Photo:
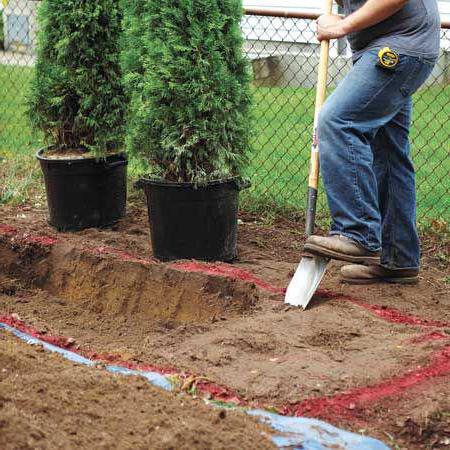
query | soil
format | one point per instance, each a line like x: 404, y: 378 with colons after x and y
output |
x: 52, y: 153
x: 47, y: 402
x: 371, y: 358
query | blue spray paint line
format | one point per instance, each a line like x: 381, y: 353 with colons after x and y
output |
x: 312, y: 434
x: 297, y: 433
x: 154, y: 378
x: 71, y: 356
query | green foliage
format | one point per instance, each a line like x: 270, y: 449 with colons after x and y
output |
x: 77, y: 97
x: 189, y: 87
x: 132, y: 41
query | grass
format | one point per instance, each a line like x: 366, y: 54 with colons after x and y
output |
x: 283, y: 118
x: 19, y: 174
x: 281, y: 143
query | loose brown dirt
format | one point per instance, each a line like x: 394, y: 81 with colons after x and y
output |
x: 102, y: 288
x: 47, y: 403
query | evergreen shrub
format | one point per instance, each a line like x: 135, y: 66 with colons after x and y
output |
x: 189, y: 88
x: 77, y: 97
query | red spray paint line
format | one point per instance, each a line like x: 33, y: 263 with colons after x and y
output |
x: 213, y: 390
x: 393, y: 315
x: 235, y: 273
x: 224, y: 270
x: 7, y: 229
x: 119, y: 254
x: 388, y: 314
x: 46, y: 241
x: 349, y: 404
x: 70, y: 344
x: 220, y: 393
x: 228, y: 271
x: 430, y: 337
x: 49, y: 241
x: 57, y: 341
x: 342, y: 405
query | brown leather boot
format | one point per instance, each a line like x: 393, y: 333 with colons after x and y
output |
x: 358, y: 274
x: 341, y: 248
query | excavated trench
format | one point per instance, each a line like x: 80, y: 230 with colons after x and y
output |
x: 118, y: 286
x: 225, y: 328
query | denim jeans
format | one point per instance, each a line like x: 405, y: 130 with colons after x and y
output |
x: 365, y: 157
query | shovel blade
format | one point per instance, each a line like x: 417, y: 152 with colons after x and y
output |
x: 306, y: 280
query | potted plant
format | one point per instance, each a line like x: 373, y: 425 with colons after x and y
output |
x: 189, y: 119
x: 77, y: 101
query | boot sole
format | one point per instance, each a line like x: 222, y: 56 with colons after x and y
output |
x: 321, y: 251
x: 409, y: 280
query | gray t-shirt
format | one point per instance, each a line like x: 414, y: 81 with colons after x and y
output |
x: 414, y: 30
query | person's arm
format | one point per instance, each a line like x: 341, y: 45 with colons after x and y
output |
x: 371, y: 13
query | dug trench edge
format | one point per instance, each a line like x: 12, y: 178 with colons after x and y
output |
x: 347, y: 405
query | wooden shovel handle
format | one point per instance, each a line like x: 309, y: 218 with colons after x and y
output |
x: 321, y: 90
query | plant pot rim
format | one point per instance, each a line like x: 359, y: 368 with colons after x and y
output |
x: 236, y: 180
x: 40, y: 157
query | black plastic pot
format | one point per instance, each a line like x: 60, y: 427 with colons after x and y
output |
x: 189, y: 222
x: 85, y: 193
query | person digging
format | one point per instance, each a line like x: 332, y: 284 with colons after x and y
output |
x: 363, y: 137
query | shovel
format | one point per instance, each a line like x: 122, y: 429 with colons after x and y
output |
x: 311, y: 270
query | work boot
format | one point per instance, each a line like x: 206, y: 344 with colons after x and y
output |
x: 358, y: 274
x: 341, y: 248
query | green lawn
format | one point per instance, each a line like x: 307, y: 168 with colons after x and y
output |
x: 283, y: 122
x: 281, y: 145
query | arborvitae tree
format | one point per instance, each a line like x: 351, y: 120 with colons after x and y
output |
x: 190, y: 90
x: 77, y: 97
x: 132, y: 39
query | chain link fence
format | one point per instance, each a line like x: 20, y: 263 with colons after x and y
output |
x: 284, y: 57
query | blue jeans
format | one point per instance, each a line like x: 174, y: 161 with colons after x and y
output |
x: 365, y: 157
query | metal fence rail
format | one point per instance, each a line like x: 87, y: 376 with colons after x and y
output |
x: 284, y: 56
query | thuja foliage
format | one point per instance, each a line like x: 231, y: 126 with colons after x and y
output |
x: 133, y: 54
x: 77, y: 97
x: 189, y: 84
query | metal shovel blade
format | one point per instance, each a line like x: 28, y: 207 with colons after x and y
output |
x: 306, y: 280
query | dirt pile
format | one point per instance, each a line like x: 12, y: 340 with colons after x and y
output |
x: 362, y: 357
x: 47, y: 402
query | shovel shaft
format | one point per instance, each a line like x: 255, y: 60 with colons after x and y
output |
x: 311, y: 211
x: 313, y: 182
